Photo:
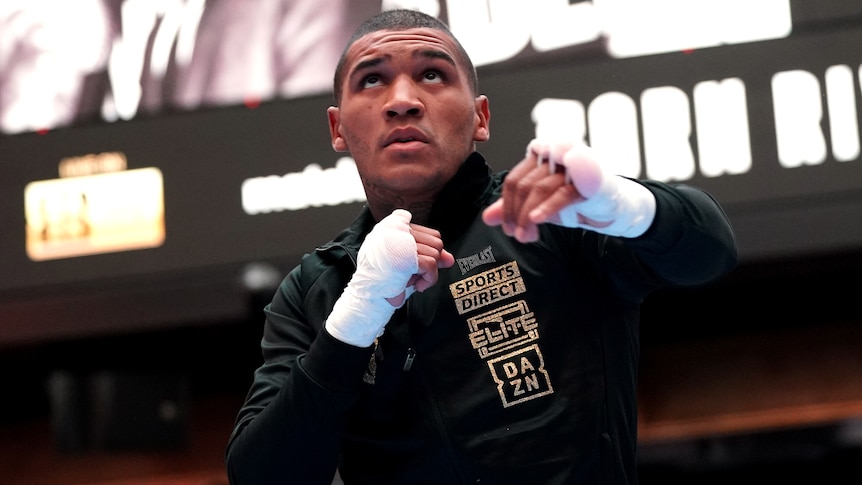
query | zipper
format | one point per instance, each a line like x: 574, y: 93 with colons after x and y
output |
x: 411, y: 354
x: 408, y: 362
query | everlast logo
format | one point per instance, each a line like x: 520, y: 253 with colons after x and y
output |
x: 482, y: 257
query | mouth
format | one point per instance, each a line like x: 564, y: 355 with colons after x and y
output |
x: 405, y: 136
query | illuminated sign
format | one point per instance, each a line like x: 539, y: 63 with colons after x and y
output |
x: 313, y: 187
x: 721, y: 125
x: 494, y: 31
x: 93, y: 214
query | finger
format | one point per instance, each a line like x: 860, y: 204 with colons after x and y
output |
x: 425, y: 230
x: 447, y: 259
x: 397, y: 300
x: 431, y: 254
x: 426, y: 235
x: 493, y: 214
x: 413, y: 280
x: 548, y: 210
x: 543, y: 185
x: 423, y: 234
x: 427, y: 274
x: 516, y: 189
x: 549, y: 153
x: 510, y: 197
x: 430, y: 243
x: 441, y: 257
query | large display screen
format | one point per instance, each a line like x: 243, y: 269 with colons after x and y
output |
x: 206, y: 144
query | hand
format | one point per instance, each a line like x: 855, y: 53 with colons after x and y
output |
x: 395, y: 259
x: 563, y: 183
x: 430, y: 257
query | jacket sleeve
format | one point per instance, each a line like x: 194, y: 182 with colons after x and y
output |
x: 691, y: 241
x: 290, y: 426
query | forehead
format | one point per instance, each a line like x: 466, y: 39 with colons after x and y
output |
x: 384, y: 43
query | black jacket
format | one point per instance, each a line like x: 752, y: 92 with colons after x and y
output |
x: 518, y: 367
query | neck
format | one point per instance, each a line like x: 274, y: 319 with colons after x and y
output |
x: 421, y: 210
x: 383, y: 200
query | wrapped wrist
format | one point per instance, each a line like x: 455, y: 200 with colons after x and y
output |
x: 622, y: 207
x: 358, y: 321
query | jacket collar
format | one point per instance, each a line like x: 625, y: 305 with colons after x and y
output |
x: 462, y: 198
x: 455, y: 208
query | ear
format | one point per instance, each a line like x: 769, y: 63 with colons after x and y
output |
x: 338, y: 143
x: 482, y: 132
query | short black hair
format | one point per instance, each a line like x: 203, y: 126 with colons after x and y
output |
x: 401, y: 19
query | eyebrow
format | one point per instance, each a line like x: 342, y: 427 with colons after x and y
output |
x: 436, y: 54
x: 366, y: 64
x: 425, y: 53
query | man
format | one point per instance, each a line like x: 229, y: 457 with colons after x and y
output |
x: 518, y: 365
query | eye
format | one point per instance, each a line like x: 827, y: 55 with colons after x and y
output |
x: 370, y: 81
x: 432, y: 76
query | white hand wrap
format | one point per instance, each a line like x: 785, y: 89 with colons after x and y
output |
x: 387, y: 260
x: 627, y: 205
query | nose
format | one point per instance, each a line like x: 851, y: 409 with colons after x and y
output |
x: 403, y: 99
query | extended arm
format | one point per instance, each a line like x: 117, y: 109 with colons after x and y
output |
x: 679, y: 232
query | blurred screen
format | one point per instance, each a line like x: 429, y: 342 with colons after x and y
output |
x: 94, y: 214
x: 142, y: 138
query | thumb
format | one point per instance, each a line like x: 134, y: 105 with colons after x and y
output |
x: 447, y: 259
x: 493, y: 214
